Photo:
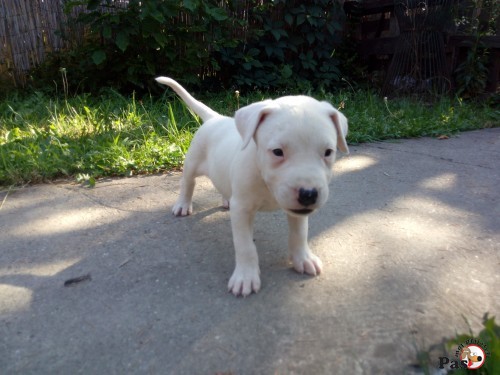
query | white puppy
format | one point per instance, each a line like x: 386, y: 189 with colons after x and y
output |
x: 273, y: 154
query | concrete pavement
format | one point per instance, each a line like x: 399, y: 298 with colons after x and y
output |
x: 410, y: 241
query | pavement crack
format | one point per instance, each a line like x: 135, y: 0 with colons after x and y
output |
x: 429, y: 155
x: 100, y: 201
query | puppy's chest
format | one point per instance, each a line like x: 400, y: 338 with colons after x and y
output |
x: 268, y: 203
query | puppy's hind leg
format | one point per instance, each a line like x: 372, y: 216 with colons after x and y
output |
x: 184, y: 206
x: 191, y: 170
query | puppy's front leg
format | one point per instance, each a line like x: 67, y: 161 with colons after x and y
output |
x: 302, y: 257
x: 246, y: 275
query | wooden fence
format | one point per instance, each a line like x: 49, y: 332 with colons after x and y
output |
x: 29, y: 30
x: 27, y: 34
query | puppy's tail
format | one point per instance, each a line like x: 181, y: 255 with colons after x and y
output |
x: 199, y: 108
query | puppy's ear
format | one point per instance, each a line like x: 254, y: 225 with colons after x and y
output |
x: 340, y: 122
x: 250, y: 117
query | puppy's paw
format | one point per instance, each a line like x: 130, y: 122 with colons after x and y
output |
x: 182, y: 208
x: 225, y: 203
x: 307, y: 262
x: 244, y: 281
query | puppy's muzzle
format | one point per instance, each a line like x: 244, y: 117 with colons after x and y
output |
x: 307, y: 197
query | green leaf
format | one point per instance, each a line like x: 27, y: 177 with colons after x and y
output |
x: 278, y: 33
x: 98, y: 57
x: 106, y: 32
x: 300, y: 19
x: 160, y: 38
x: 218, y: 14
x: 269, y: 50
x: 122, y: 40
x: 93, y: 4
x: 191, y: 5
x: 316, y: 11
x: 253, y: 52
x: 158, y: 16
x: 286, y: 71
x: 312, y: 21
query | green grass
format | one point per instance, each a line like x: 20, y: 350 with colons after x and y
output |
x: 42, y: 138
x: 372, y: 118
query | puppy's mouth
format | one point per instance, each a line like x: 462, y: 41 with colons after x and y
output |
x: 302, y: 211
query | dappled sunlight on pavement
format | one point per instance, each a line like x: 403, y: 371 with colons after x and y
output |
x: 14, y: 298
x: 353, y: 163
x: 409, y: 240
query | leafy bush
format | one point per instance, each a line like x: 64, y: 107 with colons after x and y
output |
x: 477, y: 18
x: 270, y: 44
x: 471, y: 75
x: 126, y: 46
x: 293, y: 46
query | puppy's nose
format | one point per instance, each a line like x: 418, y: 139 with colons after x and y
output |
x: 307, y: 196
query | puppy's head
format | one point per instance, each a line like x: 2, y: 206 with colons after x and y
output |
x: 297, y: 138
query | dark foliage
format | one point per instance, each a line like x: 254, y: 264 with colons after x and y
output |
x: 274, y: 45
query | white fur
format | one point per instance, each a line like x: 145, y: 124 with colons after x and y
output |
x: 240, y: 157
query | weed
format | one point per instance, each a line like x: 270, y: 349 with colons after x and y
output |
x: 448, y: 354
x: 489, y: 338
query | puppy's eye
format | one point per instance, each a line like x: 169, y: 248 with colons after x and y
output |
x: 278, y: 152
x: 328, y: 152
